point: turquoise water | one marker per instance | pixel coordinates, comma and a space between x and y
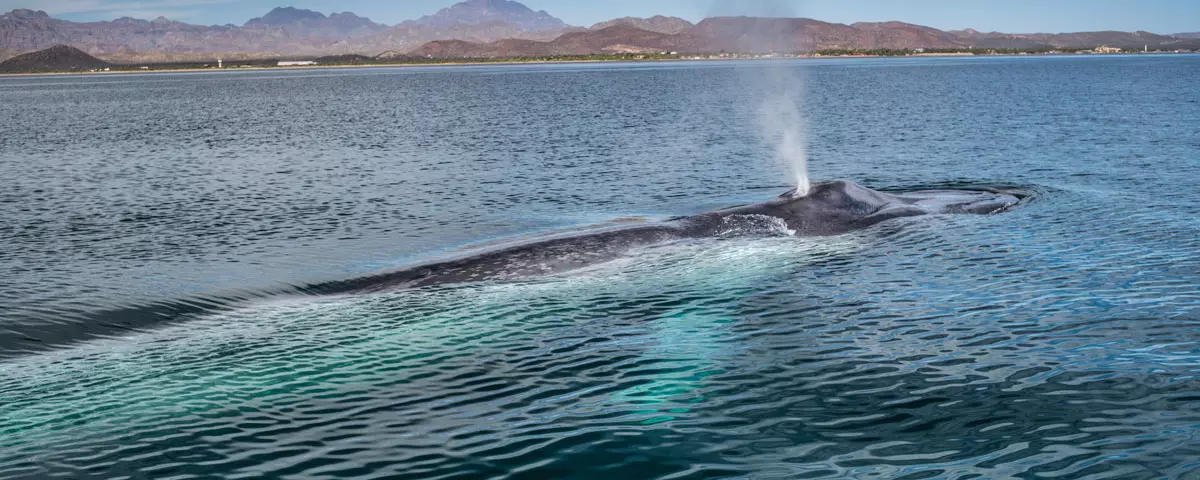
1058, 339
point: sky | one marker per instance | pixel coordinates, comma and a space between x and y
1013, 16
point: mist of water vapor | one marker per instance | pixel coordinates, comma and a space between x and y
778, 89
783, 125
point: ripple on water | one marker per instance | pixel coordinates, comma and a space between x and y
699, 359
1058, 339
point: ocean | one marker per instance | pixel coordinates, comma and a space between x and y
1060, 339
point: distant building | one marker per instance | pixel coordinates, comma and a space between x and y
296, 63
1107, 49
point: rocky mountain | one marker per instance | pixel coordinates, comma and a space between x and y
973, 38
282, 31
281, 16
1126, 40
478, 12
474, 21
309, 24
750, 34
397, 41
730, 34
59, 58
657, 23
1195, 35
902, 35
28, 30
763, 35
619, 38
490, 28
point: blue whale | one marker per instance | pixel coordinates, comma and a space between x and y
829, 208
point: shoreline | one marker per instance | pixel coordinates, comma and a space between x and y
331, 66
501, 62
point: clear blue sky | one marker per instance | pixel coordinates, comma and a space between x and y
1017, 16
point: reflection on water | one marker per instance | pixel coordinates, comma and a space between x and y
1058, 339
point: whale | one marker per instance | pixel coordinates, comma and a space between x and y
828, 208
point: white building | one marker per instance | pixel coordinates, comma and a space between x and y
296, 63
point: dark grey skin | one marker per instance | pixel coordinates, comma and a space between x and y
829, 208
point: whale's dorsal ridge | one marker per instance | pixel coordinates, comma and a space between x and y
828, 208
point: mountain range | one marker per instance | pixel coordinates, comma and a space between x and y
501, 28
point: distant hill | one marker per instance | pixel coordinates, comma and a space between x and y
478, 12
480, 26
902, 35
59, 58
473, 21
1126, 40
1194, 35
976, 39
397, 41
754, 34
731, 34
657, 23
282, 31
309, 24
281, 16
28, 30
615, 39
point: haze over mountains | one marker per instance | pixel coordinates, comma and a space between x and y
503, 28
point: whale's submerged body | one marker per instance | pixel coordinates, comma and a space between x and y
829, 208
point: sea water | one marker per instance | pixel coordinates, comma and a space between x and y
1058, 339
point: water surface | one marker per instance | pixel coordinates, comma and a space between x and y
1056, 340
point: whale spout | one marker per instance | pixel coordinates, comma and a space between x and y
794, 193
